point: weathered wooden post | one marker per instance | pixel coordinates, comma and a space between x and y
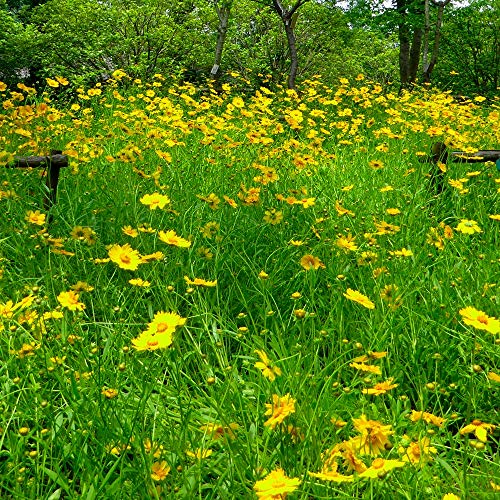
53, 163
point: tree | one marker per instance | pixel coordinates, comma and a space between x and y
428, 66
288, 16
223, 11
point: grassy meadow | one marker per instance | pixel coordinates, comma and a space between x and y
248, 296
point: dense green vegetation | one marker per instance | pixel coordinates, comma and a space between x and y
87, 40
248, 295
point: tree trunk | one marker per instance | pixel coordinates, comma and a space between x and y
428, 68
404, 44
223, 15
416, 46
292, 45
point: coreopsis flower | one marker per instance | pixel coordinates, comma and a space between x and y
418, 452
230, 202
332, 475
159, 471
279, 409
480, 320
393, 211
171, 238
125, 257
426, 417
130, 231
358, 297
200, 282
380, 467
342, 211
273, 216
374, 436
155, 200
36, 218
152, 256
266, 366
109, 393
480, 429
139, 282
199, 453
217, 431
386, 228
69, 300
347, 243
82, 286
450, 496
159, 334
404, 252
466, 226
85, 234
276, 486
311, 262
494, 377
380, 388
366, 368
154, 448
212, 199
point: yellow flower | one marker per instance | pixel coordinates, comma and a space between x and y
199, 453
480, 320
366, 368
155, 200
217, 431
276, 485
480, 429
273, 216
171, 238
279, 409
69, 300
347, 243
393, 211
374, 436
358, 297
418, 452
125, 257
152, 256
451, 496
212, 199
332, 475
426, 417
85, 234
380, 388
109, 393
35, 217
380, 467
311, 262
159, 333
52, 83
130, 231
200, 282
82, 286
159, 471
268, 369
468, 227
139, 282
494, 377
402, 253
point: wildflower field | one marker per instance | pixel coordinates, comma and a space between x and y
248, 295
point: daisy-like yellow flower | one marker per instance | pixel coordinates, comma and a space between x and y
358, 297
480, 320
85, 234
347, 243
155, 200
159, 471
217, 431
109, 393
171, 238
125, 257
404, 252
429, 418
159, 334
139, 282
82, 286
380, 388
494, 217
69, 300
366, 368
279, 409
374, 436
332, 475
480, 429
494, 377
276, 486
36, 218
199, 453
200, 282
466, 226
380, 467
393, 211
266, 366
418, 452
309, 262
153, 256
130, 231
451, 496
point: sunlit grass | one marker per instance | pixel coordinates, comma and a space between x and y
246, 292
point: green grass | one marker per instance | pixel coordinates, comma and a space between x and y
61, 437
